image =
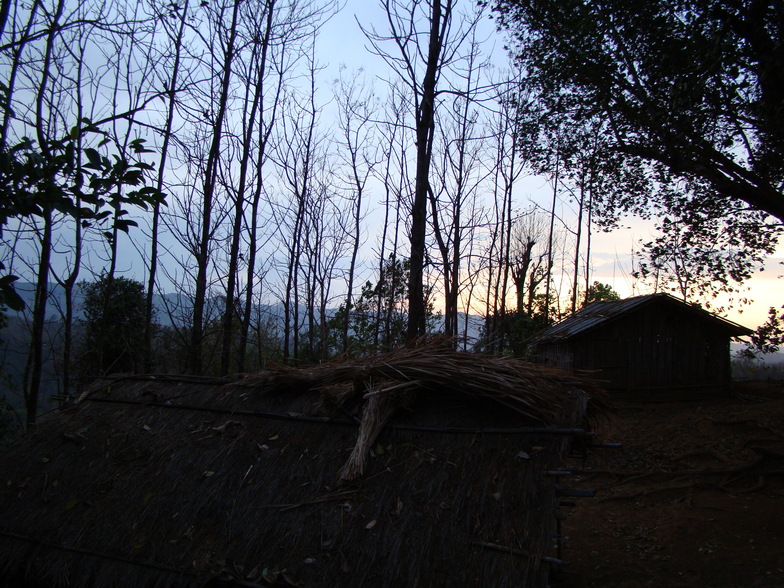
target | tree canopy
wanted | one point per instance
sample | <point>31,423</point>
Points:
<point>113,326</point>
<point>694,86</point>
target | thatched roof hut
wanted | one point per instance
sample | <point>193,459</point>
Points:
<point>387,472</point>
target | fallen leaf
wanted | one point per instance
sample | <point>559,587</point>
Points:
<point>371,524</point>
<point>523,455</point>
<point>209,473</point>
<point>222,428</point>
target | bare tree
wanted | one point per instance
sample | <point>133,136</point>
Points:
<point>171,84</point>
<point>270,72</point>
<point>296,154</point>
<point>419,64</point>
<point>32,391</point>
<point>78,48</point>
<point>253,94</point>
<point>530,230</point>
<point>277,34</point>
<point>21,36</point>
<point>455,187</point>
<point>356,107</point>
<point>226,36</point>
<point>395,178</point>
<point>508,128</point>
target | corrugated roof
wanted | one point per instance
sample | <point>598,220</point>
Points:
<point>600,312</point>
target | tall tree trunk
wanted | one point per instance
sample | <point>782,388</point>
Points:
<point>425,131</point>
<point>578,238</point>
<point>69,283</point>
<point>42,280</point>
<point>39,321</point>
<point>355,110</point>
<point>550,240</point>
<point>210,178</point>
<point>588,240</point>
<point>171,94</point>
<point>264,132</point>
<point>239,207</point>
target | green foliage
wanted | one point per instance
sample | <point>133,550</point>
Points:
<point>692,84</point>
<point>686,98</point>
<point>113,327</point>
<point>508,333</point>
<point>68,177</point>
<point>35,179</point>
<point>768,338</point>
<point>8,295</point>
<point>706,256</point>
<point>378,319</point>
<point>600,292</point>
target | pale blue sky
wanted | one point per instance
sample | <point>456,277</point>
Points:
<point>342,42</point>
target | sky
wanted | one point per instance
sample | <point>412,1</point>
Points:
<point>343,43</point>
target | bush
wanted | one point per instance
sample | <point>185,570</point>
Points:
<point>112,338</point>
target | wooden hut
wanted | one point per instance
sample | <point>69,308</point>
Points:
<point>652,347</point>
<point>410,469</point>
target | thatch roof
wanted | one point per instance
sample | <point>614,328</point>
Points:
<point>286,477</point>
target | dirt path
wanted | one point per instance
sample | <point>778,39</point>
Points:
<point>695,497</point>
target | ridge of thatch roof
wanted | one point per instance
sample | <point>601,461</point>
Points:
<point>161,482</point>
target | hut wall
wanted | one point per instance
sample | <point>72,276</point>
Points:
<point>660,349</point>
<point>559,355</point>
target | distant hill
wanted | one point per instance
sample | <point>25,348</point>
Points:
<point>55,305</point>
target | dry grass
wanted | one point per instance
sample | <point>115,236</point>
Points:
<point>535,392</point>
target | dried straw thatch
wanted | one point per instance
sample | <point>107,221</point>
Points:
<point>292,477</point>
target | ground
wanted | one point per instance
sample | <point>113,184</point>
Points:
<point>694,497</point>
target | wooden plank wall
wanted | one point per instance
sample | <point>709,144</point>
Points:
<point>657,348</point>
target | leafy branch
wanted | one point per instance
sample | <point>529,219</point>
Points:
<point>80,182</point>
